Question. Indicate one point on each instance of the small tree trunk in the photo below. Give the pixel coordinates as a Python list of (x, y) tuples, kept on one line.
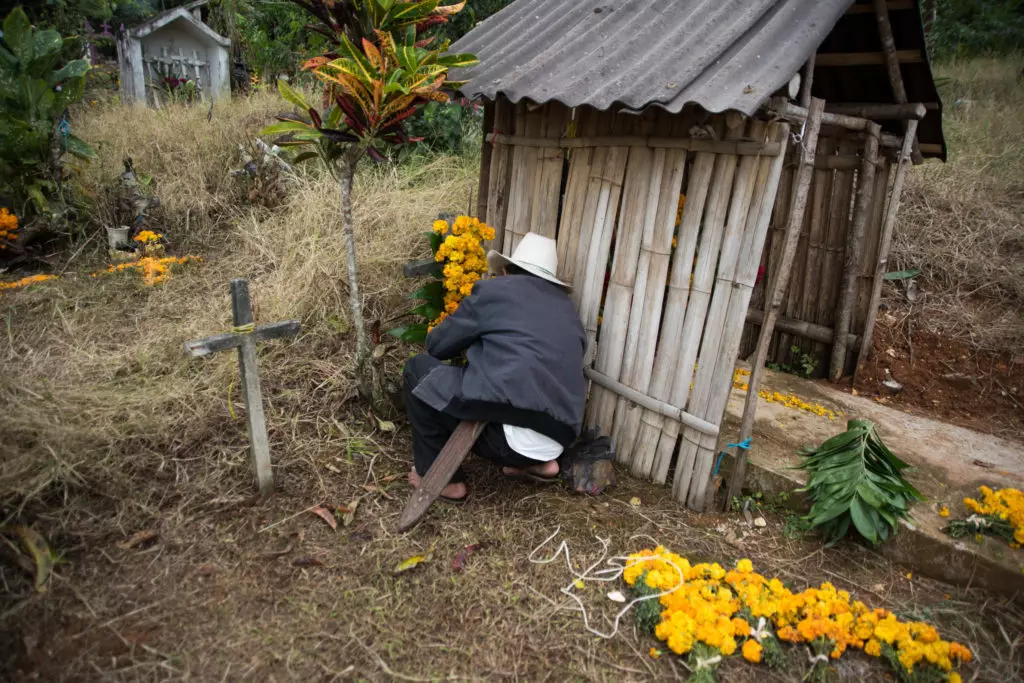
[(371, 383), (349, 162)]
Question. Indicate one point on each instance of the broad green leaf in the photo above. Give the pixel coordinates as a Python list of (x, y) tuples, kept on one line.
[(292, 95), (428, 311), (861, 520), (432, 292), (304, 156), (73, 69), (413, 334), (18, 35), (282, 127)]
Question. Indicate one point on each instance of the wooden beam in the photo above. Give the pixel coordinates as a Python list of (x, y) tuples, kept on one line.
[(886, 242), (892, 64), (808, 83), (230, 340), (875, 112), (801, 328), (836, 162), (652, 404), (777, 285), (851, 263), (739, 147), (893, 5), (485, 164), (832, 59), (798, 114)]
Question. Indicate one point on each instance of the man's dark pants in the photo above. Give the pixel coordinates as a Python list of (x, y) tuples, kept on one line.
[(431, 428)]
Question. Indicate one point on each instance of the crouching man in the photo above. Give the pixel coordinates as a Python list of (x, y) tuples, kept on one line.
[(524, 348)]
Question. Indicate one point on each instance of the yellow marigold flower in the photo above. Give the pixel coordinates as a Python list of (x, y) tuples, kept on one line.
[(873, 648), (752, 651), (943, 511), (654, 652), (954, 677), (745, 566), (440, 227)]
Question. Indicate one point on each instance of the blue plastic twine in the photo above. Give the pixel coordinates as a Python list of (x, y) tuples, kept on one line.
[(745, 445)]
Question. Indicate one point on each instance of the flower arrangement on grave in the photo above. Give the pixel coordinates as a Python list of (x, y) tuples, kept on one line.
[(999, 513), (150, 243), (458, 246), (709, 613), (154, 270)]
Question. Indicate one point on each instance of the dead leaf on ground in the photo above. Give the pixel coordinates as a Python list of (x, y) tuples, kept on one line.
[(138, 538), (462, 557), (348, 512), (412, 562), (982, 463), (206, 569), (271, 554), (386, 425), (325, 514), (36, 546), (307, 562), (390, 478)]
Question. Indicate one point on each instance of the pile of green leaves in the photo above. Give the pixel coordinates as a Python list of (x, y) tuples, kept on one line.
[(855, 479), (34, 94)]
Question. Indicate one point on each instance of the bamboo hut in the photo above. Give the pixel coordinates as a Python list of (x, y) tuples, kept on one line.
[(678, 148)]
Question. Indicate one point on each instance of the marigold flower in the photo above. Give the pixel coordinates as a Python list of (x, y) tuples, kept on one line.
[(752, 651)]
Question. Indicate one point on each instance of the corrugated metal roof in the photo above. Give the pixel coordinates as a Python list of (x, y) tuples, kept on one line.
[(719, 54)]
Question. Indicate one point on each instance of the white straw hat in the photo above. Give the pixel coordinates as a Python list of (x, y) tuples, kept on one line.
[(535, 254)]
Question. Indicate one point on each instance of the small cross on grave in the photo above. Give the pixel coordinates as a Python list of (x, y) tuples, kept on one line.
[(244, 337)]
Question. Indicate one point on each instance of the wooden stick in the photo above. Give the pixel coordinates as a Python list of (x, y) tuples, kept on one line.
[(802, 328), (777, 288), (486, 151), (831, 59), (653, 404), (807, 82), (576, 200), (547, 178), (851, 265), (886, 242), (500, 176), (892, 64), (916, 110), (740, 147), (790, 111), (241, 312)]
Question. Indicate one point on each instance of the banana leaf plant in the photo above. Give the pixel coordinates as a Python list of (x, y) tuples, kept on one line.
[(378, 74), (856, 481), (35, 91)]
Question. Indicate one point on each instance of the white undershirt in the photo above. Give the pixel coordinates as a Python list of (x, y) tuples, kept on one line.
[(531, 444)]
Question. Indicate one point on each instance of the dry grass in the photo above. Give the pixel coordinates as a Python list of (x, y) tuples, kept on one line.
[(960, 222), (111, 430)]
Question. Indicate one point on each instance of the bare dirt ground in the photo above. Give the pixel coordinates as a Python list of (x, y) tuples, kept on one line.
[(232, 589), (946, 378)]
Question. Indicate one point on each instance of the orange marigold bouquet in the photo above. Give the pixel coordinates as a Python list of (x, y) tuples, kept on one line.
[(458, 247)]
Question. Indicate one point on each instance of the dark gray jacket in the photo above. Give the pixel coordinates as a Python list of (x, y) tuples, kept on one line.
[(524, 345)]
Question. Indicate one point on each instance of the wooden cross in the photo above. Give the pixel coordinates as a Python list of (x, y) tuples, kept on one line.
[(244, 337)]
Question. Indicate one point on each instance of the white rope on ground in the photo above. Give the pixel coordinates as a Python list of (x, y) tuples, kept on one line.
[(617, 564)]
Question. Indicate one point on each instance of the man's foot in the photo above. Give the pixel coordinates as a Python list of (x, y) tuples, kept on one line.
[(453, 491), (544, 470)]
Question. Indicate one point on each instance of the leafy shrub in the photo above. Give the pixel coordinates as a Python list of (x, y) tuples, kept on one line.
[(971, 28), (855, 479), (33, 98), (450, 127)]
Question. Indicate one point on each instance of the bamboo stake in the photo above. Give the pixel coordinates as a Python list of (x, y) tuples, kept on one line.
[(835, 239), (802, 328), (851, 264), (718, 327), (916, 110), (500, 177), (777, 288), (648, 300), (547, 179), (575, 197), (821, 188), (738, 291), (892, 65), (669, 348), (486, 152), (653, 404), (807, 82), (643, 171), (891, 212), (700, 293)]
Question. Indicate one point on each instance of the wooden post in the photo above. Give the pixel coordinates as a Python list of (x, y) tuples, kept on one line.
[(486, 151), (851, 264), (244, 337), (807, 82), (886, 241), (777, 287), (892, 64)]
